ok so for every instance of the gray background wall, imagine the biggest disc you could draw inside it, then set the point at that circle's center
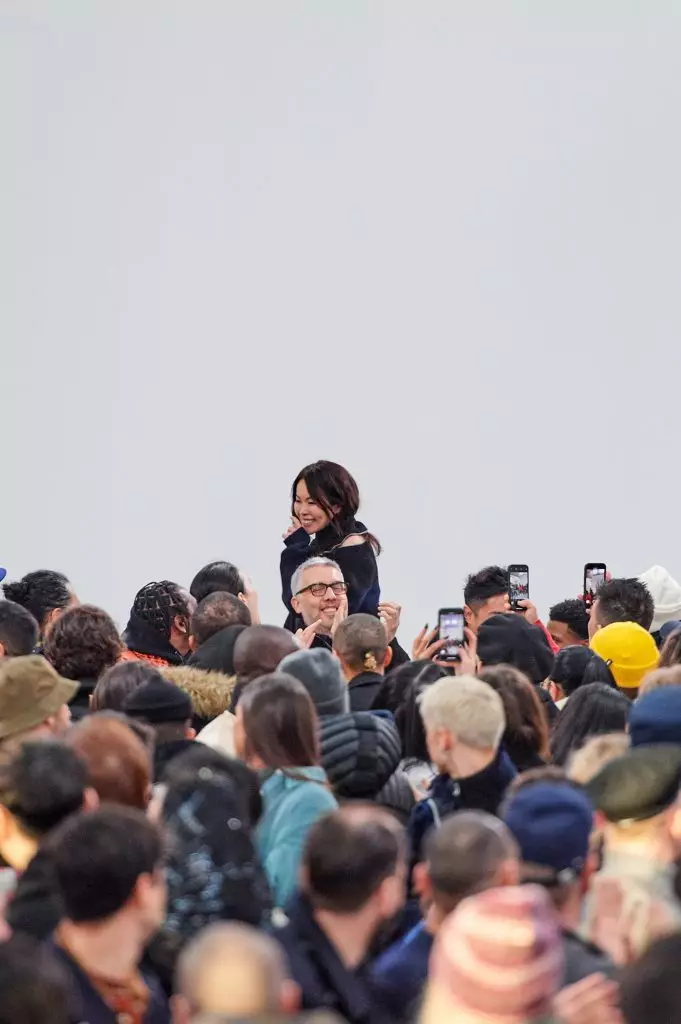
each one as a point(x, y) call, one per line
point(437, 241)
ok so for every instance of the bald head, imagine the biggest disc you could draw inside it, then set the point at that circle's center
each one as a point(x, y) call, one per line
point(234, 971)
point(259, 649)
point(470, 852)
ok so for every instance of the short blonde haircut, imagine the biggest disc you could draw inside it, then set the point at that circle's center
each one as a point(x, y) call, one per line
point(470, 709)
point(586, 762)
point(670, 676)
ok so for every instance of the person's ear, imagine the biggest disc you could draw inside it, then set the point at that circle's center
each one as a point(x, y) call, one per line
point(2, 650)
point(6, 824)
point(295, 604)
point(508, 872)
point(335, 509)
point(468, 615)
point(192, 642)
point(50, 619)
point(181, 1009)
point(590, 868)
point(90, 799)
point(388, 660)
point(181, 624)
point(423, 886)
point(290, 998)
point(190, 732)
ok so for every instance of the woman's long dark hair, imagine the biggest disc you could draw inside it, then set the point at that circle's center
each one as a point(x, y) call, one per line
point(280, 722)
point(527, 730)
point(40, 593)
point(331, 485)
point(594, 709)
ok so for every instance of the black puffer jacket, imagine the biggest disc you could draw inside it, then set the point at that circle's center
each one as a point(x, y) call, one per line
point(360, 754)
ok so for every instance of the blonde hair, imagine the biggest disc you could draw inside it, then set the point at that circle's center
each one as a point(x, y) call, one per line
point(669, 676)
point(470, 709)
point(586, 762)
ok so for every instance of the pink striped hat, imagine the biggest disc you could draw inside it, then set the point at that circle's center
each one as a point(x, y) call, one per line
point(498, 958)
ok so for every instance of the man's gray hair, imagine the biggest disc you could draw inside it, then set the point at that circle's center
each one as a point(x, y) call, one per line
point(311, 562)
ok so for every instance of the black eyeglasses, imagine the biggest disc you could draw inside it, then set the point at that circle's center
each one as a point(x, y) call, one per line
point(320, 589)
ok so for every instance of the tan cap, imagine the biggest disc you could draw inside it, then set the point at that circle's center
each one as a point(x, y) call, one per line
point(30, 692)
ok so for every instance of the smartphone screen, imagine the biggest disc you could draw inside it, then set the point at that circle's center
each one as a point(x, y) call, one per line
point(594, 578)
point(518, 584)
point(451, 625)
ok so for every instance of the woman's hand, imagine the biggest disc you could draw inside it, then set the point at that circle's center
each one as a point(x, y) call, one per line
point(425, 646)
point(389, 614)
point(293, 528)
point(305, 637)
point(468, 663)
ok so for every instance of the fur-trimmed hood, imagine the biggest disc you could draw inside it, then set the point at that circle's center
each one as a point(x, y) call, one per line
point(210, 692)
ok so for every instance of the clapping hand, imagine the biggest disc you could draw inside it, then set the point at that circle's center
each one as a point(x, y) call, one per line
point(389, 614)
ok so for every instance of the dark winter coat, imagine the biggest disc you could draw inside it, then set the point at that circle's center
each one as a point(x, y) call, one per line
point(363, 689)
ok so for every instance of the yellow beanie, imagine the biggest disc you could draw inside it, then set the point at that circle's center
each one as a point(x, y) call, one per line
point(629, 650)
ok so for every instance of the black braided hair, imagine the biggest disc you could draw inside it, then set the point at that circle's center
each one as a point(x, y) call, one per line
point(159, 603)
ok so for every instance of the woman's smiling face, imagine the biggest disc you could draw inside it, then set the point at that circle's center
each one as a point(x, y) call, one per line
point(309, 514)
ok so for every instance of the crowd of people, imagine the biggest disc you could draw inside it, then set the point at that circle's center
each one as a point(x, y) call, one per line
point(207, 818)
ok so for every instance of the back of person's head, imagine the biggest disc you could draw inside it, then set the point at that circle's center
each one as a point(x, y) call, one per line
point(629, 650)
point(105, 859)
point(259, 649)
point(117, 763)
point(510, 935)
point(585, 763)
point(198, 758)
point(33, 987)
point(671, 650)
point(212, 869)
point(160, 604)
point(508, 639)
point(470, 852)
point(408, 715)
point(361, 642)
point(467, 708)
point(527, 730)
point(573, 616)
point(576, 666)
point(660, 677)
point(552, 824)
point(41, 785)
point(42, 593)
point(163, 706)
point(277, 723)
point(622, 600)
point(217, 576)
point(650, 988)
point(656, 717)
point(491, 581)
point(235, 971)
point(638, 792)
point(216, 611)
point(83, 643)
point(353, 855)
point(594, 709)
point(397, 684)
point(545, 773)
point(320, 673)
point(18, 630)
point(120, 682)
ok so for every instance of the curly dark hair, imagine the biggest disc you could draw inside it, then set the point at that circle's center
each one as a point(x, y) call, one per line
point(624, 600)
point(83, 643)
point(489, 582)
point(159, 603)
point(40, 593)
point(574, 614)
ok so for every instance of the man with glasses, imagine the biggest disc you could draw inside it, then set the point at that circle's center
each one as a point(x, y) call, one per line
point(319, 599)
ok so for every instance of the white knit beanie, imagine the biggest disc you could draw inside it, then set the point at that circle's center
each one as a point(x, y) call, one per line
point(666, 594)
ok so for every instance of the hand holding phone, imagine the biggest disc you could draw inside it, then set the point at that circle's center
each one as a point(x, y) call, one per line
point(451, 624)
point(595, 575)
point(518, 585)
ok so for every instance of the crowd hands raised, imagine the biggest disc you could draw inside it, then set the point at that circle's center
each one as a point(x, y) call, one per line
point(210, 819)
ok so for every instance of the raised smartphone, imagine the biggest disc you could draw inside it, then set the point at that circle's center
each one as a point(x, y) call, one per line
point(451, 623)
point(518, 585)
point(594, 578)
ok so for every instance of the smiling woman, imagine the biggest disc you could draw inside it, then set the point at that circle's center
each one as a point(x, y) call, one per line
point(324, 503)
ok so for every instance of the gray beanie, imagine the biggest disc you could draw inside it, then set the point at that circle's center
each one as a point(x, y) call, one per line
point(320, 673)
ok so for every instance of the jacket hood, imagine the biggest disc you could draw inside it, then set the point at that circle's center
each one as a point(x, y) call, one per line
point(360, 751)
point(210, 692)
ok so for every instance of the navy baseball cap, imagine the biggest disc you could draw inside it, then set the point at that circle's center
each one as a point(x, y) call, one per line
point(552, 823)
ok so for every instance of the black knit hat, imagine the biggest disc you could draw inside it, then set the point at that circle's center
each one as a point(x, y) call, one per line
point(638, 785)
point(159, 701)
point(508, 639)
